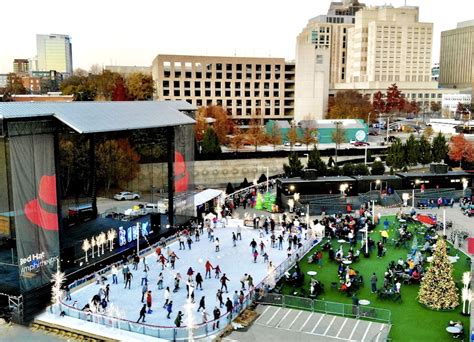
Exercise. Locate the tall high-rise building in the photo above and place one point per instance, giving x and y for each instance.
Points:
(321, 58)
(54, 52)
(389, 44)
(21, 66)
(457, 56)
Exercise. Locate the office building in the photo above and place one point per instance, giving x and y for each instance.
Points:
(54, 52)
(126, 70)
(435, 72)
(457, 56)
(249, 88)
(21, 66)
(321, 58)
(450, 102)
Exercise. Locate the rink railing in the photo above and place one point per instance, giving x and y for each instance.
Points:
(183, 333)
(332, 308)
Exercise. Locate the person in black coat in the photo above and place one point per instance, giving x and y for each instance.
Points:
(142, 313)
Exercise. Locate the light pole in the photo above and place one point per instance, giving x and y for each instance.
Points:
(368, 128)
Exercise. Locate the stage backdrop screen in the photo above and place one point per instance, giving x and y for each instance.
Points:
(35, 207)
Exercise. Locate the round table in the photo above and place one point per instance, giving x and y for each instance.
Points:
(347, 262)
(364, 302)
(312, 273)
(402, 220)
(453, 330)
(341, 241)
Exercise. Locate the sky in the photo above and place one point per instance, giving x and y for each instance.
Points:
(119, 32)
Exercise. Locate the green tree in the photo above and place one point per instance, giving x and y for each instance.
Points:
(396, 155)
(412, 152)
(425, 154)
(348, 169)
(439, 148)
(210, 142)
(377, 168)
(315, 162)
(361, 170)
(338, 135)
(331, 162)
(438, 290)
(229, 189)
(294, 166)
(140, 87)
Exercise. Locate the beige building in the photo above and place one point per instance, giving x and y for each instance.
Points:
(389, 44)
(126, 70)
(249, 88)
(457, 56)
(321, 58)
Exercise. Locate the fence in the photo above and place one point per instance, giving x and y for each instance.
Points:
(332, 308)
(183, 333)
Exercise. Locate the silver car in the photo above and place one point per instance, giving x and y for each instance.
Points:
(126, 195)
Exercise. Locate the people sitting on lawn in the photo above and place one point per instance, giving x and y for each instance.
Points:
(315, 287)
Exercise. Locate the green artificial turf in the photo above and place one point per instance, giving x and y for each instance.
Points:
(410, 320)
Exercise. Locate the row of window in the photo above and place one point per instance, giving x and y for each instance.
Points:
(219, 75)
(227, 93)
(178, 66)
(218, 85)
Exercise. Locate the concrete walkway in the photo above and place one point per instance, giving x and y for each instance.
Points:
(284, 324)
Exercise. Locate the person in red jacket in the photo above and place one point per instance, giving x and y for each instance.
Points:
(209, 268)
(148, 302)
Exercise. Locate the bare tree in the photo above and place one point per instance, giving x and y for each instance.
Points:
(338, 135)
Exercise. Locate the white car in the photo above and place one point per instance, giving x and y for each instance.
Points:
(126, 195)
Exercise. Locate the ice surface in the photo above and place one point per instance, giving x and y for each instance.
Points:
(234, 261)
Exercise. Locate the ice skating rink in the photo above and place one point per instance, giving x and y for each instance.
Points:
(234, 261)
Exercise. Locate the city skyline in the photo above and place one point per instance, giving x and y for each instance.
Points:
(135, 35)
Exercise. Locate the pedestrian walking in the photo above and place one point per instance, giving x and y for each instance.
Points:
(142, 314)
(373, 282)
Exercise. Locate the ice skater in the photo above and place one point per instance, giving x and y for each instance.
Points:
(209, 268)
(128, 279)
(219, 298)
(253, 244)
(144, 277)
(114, 274)
(144, 291)
(234, 239)
(239, 232)
(205, 316)
(179, 319)
(169, 309)
(148, 302)
(167, 296)
(217, 270)
(160, 281)
(196, 235)
(199, 281)
(163, 261)
(243, 280)
(177, 279)
(224, 280)
(255, 255)
(173, 258)
(142, 314)
(181, 242)
(217, 243)
(125, 270)
(217, 314)
(202, 304)
(189, 241)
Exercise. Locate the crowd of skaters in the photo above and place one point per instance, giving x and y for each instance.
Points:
(136, 269)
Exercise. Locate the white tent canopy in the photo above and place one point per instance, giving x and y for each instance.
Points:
(206, 195)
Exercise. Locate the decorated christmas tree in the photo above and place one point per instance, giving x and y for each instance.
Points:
(259, 202)
(438, 290)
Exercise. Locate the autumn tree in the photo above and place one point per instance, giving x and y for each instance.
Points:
(435, 106)
(338, 136)
(309, 135)
(200, 126)
(274, 137)
(14, 86)
(120, 92)
(378, 103)
(256, 135)
(81, 86)
(237, 140)
(349, 104)
(394, 99)
(140, 86)
(292, 136)
(105, 84)
(222, 125)
(428, 132)
(414, 107)
(461, 150)
(117, 161)
(439, 148)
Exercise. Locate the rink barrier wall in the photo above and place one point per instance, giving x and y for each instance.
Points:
(183, 333)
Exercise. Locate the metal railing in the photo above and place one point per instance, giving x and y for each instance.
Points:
(332, 308)
(182, 333)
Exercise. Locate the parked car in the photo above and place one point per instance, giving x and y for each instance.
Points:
(390, 139)
(360, 143)
(297, 144)
(126, 195)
